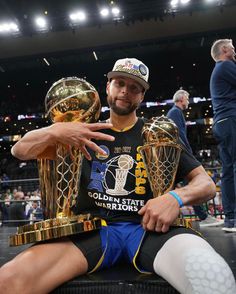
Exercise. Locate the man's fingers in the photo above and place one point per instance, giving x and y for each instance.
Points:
(98, 135)
(145, 220)
(150, 226)
(99, 126)
(165, 228)
(85, 152)
(94, 147)
(101, 136)
(142, 210)
(158, 227)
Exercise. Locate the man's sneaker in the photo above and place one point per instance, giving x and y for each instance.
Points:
(229, 230)
(211, 221)
(229, 225)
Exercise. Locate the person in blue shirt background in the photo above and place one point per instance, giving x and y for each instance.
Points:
(223, 94)
(35, 213)
(181, 102)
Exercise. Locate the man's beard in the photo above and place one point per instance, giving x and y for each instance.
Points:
(122, 111)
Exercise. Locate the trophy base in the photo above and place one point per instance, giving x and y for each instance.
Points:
(54, 228)
(182, 222)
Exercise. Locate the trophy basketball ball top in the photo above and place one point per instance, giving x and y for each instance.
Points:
(68, 100)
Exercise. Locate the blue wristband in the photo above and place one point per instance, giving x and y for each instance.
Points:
(176, 196)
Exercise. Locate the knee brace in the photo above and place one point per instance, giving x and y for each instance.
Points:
(191, 265)
(207, 272)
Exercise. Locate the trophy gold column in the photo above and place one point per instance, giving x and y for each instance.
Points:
(68, 100)
(161, 154)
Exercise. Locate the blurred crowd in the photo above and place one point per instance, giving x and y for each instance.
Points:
(18, 208)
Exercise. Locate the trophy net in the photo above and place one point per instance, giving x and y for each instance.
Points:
(162, 161)
(65, 172)
(161, 154)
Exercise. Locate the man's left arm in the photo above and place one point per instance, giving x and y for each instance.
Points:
(200, 188)
(159, 213)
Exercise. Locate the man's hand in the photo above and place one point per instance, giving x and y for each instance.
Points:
(159, 213)
(79, 135)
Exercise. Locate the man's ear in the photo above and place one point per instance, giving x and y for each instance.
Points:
(143, 94)
(224, 49)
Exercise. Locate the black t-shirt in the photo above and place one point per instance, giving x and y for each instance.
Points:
(116, 186)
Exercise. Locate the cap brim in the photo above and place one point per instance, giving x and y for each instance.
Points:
(113, 74)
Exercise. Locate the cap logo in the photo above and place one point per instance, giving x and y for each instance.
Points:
(132, 69)
(142, 69)
(130, 65)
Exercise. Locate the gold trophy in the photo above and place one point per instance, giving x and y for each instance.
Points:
(161, 154)
(68, 100)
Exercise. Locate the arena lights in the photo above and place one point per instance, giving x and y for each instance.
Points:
(78, 16)
(95, 55)
(9, 27)
(46, 61)
(175, 3)
(41, 22)
(115, 11)
(214, 2)
(105, 12)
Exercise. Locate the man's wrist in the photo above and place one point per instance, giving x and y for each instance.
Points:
(177, 197)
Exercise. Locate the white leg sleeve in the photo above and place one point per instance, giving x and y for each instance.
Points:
(191, 265)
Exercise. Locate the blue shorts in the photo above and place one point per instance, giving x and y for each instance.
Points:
(123, 241)
(120, 241)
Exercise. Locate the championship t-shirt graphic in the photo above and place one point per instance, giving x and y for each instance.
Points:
(116, 182)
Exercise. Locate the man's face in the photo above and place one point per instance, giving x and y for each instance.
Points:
(230, 52)
(124, 95)
(185, 101)
(34, 205)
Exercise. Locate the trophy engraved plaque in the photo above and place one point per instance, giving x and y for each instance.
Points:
(161, 154)
(68, 100)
